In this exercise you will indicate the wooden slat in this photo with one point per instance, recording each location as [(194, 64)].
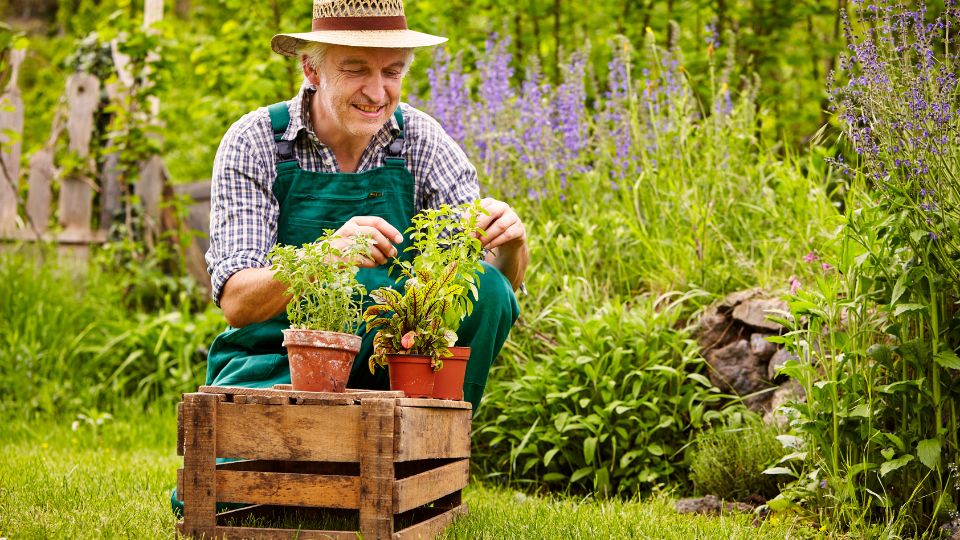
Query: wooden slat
[(435, 403), (11, 119), (431, 527), (429, 486), (39, 192), (180, 429), (283, 534), (289, 489), (76, 204), (301, 433), (432, 433), (349, 397), (377, 420), (199, 462), (180, 485)]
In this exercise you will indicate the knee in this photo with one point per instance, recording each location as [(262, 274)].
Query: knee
[(496, 295)]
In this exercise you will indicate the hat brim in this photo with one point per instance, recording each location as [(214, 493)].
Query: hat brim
[(287, 44)]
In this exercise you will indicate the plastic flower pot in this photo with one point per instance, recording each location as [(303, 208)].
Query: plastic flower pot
[(411, 373), (449, 384), (320, 361)]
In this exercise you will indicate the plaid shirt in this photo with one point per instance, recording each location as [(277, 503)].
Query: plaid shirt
[(244, 212)]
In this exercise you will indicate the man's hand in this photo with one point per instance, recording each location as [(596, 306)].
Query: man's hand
[(382, 234), (507, 238), (502, 225)]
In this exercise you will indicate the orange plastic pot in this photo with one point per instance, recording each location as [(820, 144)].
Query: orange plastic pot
[(449, 384), (320, 361), (411, 373)]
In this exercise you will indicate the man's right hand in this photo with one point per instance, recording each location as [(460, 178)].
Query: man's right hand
[(382, 234)]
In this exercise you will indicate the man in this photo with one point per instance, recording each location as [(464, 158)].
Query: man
[(344, 154)]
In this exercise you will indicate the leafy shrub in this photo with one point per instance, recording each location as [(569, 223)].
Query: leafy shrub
[(67, 343), (608, 404), (729, 460)]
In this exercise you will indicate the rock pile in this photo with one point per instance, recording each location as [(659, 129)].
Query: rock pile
[(732, 336)]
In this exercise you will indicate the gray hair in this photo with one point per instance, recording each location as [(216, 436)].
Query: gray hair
[(316, 55)]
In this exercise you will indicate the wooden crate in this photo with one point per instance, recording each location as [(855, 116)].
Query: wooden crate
[(399, 462)]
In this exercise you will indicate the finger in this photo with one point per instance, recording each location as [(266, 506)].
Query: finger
[(514, 232), (380, 241), (381, 225), (495, 209), (498, 227)]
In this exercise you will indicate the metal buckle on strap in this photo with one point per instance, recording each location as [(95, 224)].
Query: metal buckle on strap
[(395, 149), (285, 151)]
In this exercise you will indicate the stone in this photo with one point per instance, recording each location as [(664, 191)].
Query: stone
[(737, 369), (779, 358), (736, 298), (711, 504), (714, 331), (791, 391), (754, 313), (761, 347)]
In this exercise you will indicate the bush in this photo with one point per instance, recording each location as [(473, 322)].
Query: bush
[(607, 405), (729, 461)]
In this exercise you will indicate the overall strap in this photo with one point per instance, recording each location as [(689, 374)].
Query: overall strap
[(279, 120), (395, 148)]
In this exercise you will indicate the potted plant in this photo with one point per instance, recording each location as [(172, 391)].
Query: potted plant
[(418, 327), (324, 310)]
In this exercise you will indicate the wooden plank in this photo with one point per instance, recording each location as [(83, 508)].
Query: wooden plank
[(149, 188), (432, 527), (39, 192), (300, 433), (429, 486), (377, 420), (289, 489), (76, 204), (11, 119), (317, 398), (180, 429), (283, 534), (435, 403), (180, 485), (432, 433), (199, 463), (110, 194)]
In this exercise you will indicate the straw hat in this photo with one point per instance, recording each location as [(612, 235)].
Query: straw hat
[(357, 23)]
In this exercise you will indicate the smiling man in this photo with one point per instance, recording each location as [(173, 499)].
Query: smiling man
[(344, 154)]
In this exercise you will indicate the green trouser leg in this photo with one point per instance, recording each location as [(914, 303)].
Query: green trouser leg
[(484, 331)]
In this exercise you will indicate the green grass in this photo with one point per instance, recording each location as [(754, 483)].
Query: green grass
[(112, 481)]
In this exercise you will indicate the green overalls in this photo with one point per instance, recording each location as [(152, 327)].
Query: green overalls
[(254, 357)]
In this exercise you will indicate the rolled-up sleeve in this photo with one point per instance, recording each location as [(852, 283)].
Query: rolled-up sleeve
[(243, 209)]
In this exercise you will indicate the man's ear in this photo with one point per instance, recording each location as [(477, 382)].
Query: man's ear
[(308, 70)]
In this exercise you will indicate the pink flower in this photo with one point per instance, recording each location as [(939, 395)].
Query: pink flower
[(407, 340), (810, 257), (794, 284), (825, 267)]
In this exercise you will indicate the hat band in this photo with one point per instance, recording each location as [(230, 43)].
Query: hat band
[(398, 22)]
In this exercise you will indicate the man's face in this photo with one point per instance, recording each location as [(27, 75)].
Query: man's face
[(358, 89)]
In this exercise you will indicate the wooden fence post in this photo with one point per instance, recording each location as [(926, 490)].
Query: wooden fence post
[(11, 120), (76, 203)]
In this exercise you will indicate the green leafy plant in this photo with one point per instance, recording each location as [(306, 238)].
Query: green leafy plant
[(439, 281), (322, 279), (730, 460)]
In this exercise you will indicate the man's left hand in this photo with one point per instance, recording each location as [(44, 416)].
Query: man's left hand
[(502, 225)]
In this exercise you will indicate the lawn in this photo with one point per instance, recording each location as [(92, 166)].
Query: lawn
[(64, 479)]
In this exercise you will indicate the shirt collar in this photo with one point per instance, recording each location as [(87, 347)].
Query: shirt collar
[(300, 119)]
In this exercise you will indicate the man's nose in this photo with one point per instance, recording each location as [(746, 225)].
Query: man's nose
[(375, 88)]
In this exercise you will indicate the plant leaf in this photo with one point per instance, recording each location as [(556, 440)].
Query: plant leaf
[(890, 466), (928, 450), (947, 359)]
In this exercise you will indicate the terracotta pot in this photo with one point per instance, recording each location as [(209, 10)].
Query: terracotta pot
[(411, 373), (449, 383), (320, 361)]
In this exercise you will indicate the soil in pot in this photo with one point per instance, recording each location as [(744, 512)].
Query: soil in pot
[(411, 373), (320, 361), (449, 384)]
